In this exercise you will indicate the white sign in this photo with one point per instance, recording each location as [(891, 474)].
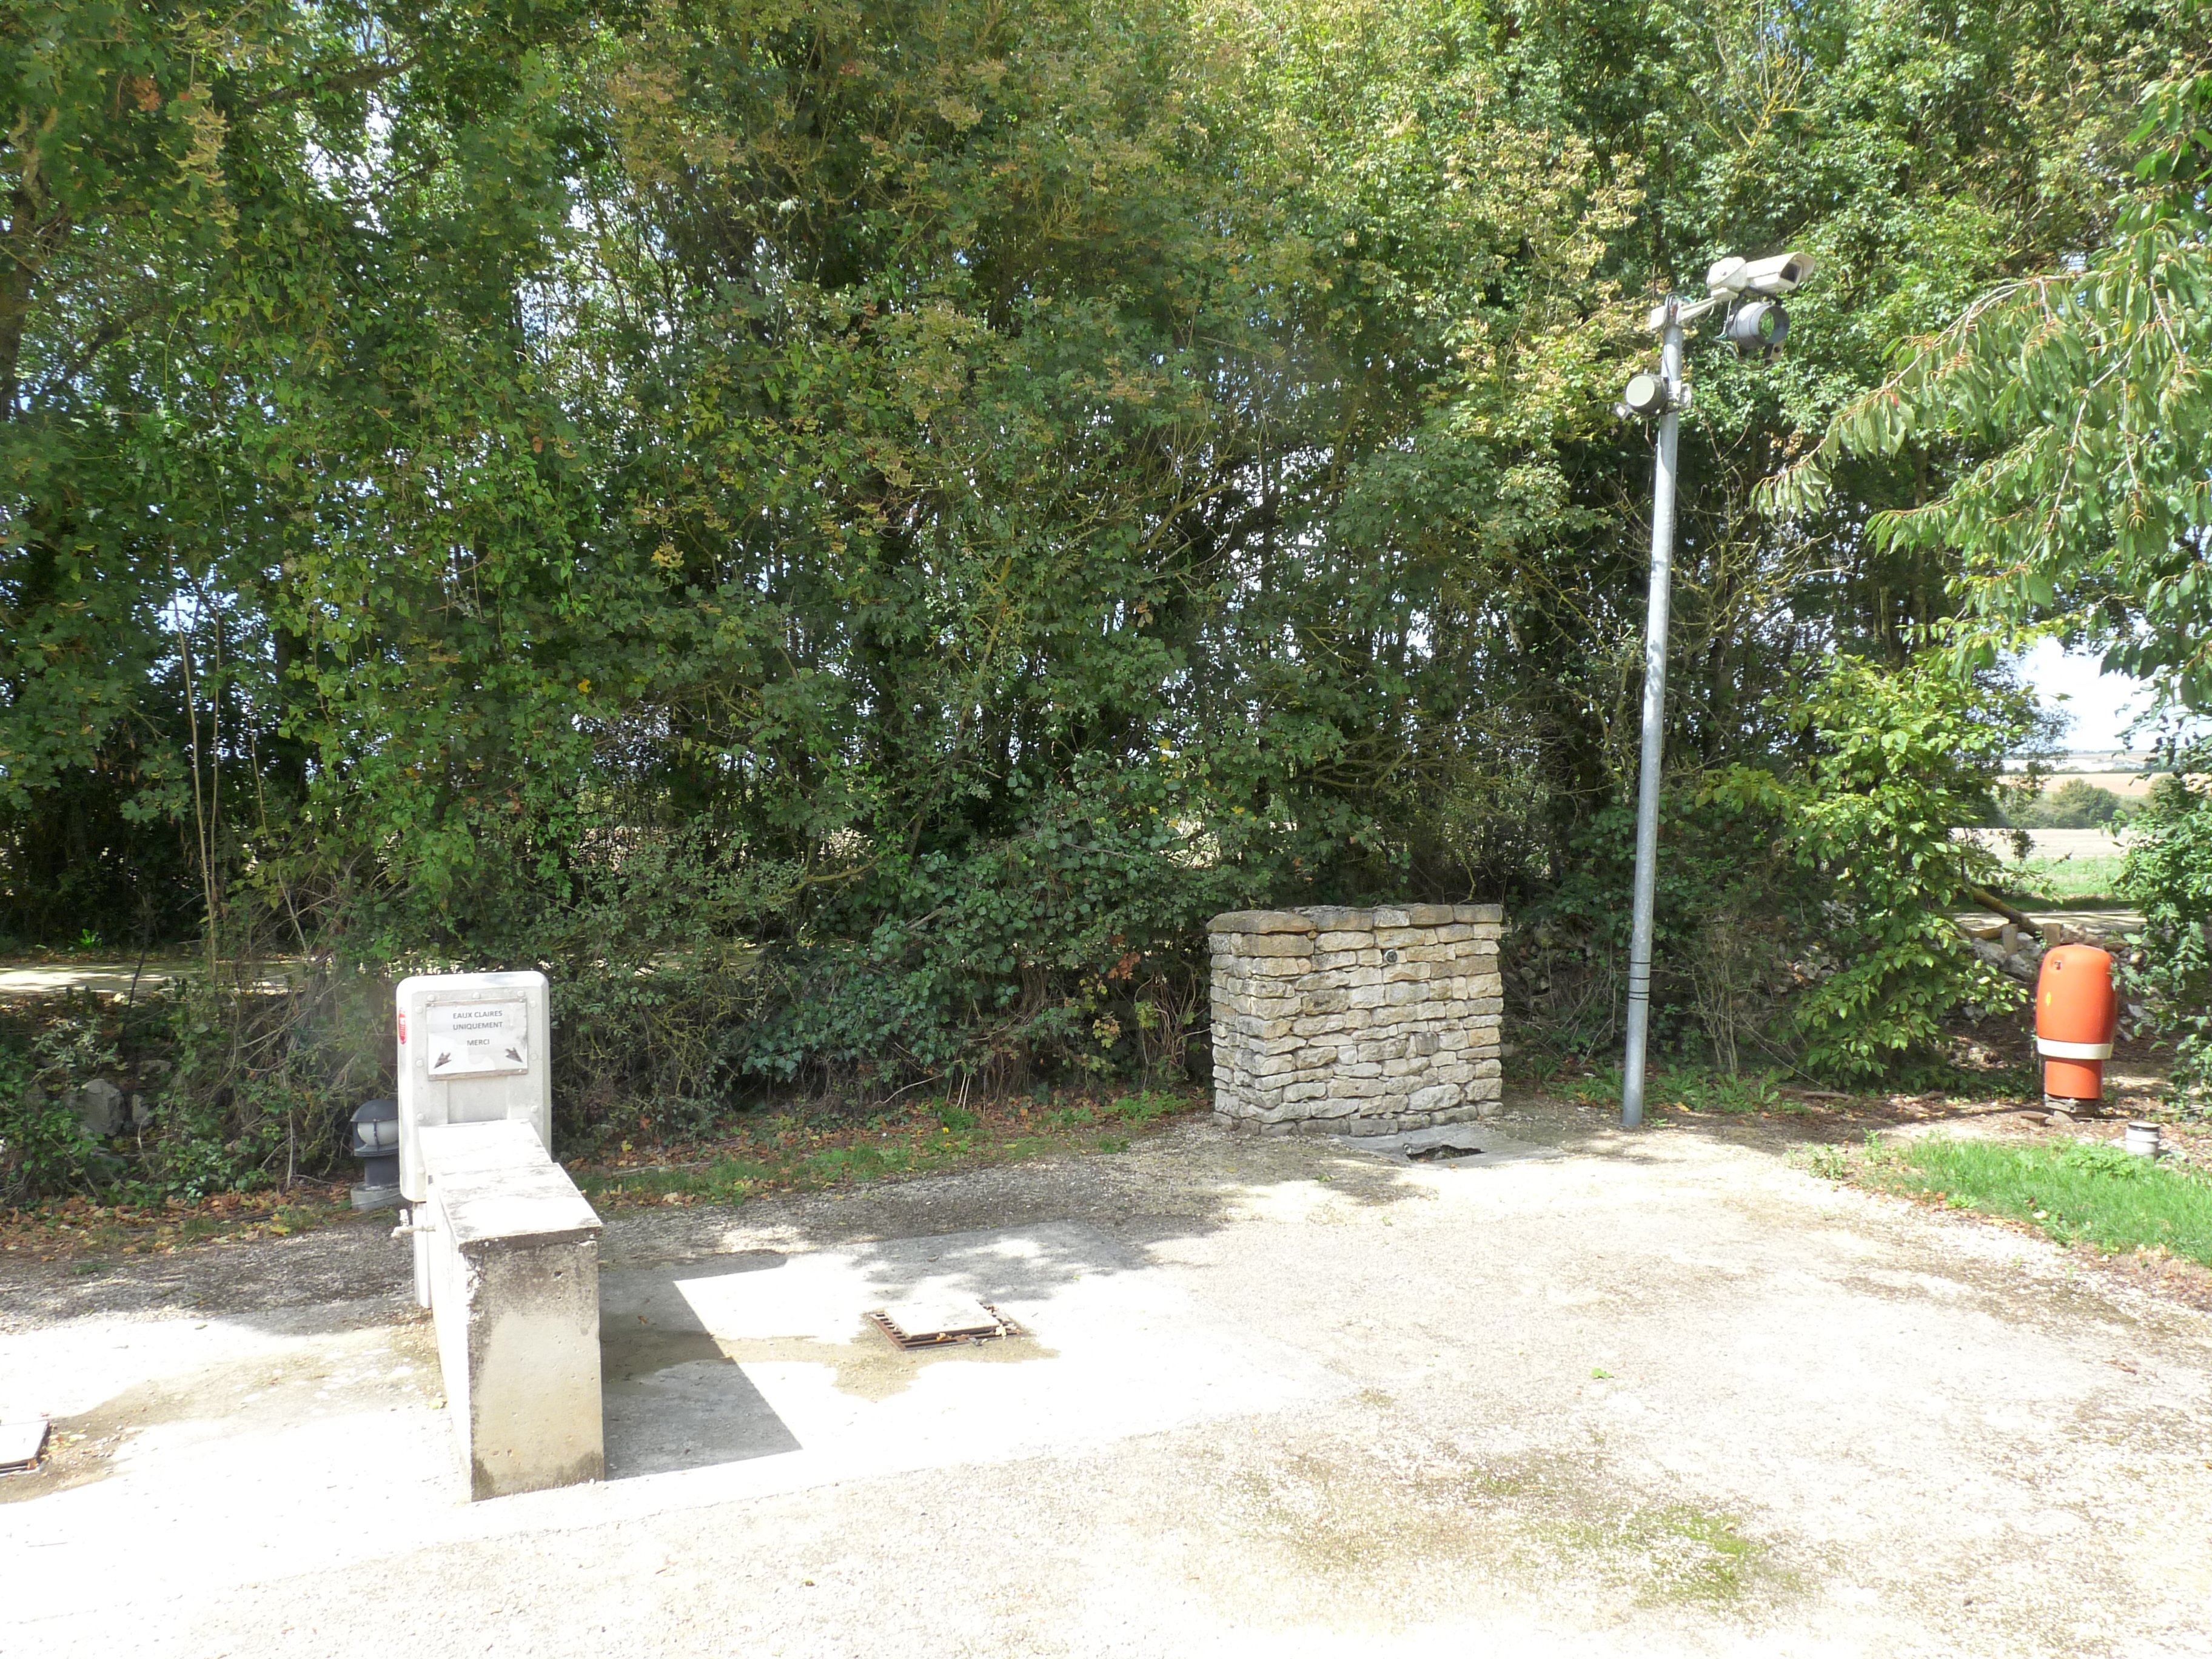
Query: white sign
[(476, 1039)]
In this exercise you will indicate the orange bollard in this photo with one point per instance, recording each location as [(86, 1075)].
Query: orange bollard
[(2077, 1014)]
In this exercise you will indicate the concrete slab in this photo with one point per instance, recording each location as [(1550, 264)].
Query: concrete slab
[(776, 1372), (1461, 1145)]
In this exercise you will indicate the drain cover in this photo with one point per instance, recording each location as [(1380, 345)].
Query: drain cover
[(928, 1324)]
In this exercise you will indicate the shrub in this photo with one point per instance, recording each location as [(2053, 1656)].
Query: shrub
[(1898, 757), (2168, 975)]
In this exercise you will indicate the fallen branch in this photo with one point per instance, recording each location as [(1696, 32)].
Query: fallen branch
[(2019, 918)]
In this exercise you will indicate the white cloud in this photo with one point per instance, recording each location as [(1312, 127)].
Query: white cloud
[(2099, 705)]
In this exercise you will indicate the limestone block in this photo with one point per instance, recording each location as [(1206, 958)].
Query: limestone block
[(514, 1295), (1261, 921), (99, 1108)]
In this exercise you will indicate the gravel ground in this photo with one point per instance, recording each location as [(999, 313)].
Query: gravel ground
[(1657, 1395)]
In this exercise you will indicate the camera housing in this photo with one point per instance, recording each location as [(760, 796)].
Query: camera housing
[(1782, 273)]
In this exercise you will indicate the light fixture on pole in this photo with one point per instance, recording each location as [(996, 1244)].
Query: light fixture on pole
[(1756, 325)]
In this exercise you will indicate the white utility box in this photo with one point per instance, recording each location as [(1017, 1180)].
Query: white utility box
[(473, 1048)]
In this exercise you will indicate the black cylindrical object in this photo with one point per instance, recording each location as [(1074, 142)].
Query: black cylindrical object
[(376, 1144)]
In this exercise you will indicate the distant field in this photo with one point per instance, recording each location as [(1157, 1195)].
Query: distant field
[(2067, 880), (2062, 866), (2128, 786), (2049, 845)]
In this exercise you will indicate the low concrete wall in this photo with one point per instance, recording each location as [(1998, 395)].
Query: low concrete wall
[(1356, 1021), (513, 1258)]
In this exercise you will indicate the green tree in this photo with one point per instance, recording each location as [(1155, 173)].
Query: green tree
[(2075, 400)]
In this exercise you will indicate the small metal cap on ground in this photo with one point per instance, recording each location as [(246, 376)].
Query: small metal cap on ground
[(2142, 1140)]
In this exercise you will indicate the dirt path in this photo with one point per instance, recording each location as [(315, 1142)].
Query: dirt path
[(1661, 1394)]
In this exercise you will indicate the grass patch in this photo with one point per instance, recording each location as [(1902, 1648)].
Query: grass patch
[(1690, 1555), (799, 1153), (2078, 1192), (2070, 880)]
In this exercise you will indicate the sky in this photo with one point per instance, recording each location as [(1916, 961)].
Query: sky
[(2100, 704)]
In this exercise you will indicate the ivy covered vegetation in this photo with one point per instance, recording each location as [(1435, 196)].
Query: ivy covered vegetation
[(843, 532)]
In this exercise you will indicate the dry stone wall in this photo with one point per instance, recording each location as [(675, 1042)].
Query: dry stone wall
[(1356, 1021)]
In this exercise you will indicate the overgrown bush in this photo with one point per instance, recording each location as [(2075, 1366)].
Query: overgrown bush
[(1804, 911), (2168, 974), (232, 1088), (44, 1147)]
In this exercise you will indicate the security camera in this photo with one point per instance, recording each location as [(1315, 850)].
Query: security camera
[(1780, 275), (1757, 328)]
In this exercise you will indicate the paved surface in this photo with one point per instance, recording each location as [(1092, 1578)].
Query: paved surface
[(1659, 1395), (57, 975)]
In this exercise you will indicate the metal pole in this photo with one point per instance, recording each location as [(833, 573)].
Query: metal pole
[(1654, 726)]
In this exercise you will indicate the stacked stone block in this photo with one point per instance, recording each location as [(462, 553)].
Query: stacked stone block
[(1344, 1021)]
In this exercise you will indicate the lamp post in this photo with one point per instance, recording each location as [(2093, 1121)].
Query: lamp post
[(1756, 325)]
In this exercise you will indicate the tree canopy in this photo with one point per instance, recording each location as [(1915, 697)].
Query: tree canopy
[(847, 531)]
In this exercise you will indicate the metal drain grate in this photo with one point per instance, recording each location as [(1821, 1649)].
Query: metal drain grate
[(934, 1324)]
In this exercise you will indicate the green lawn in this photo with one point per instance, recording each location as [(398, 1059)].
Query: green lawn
[(2065, 881), (2072, 1191)]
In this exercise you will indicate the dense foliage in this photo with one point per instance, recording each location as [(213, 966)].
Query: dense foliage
[(845, 532), (2077, 398), (2077, 803), (2169, 873)]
